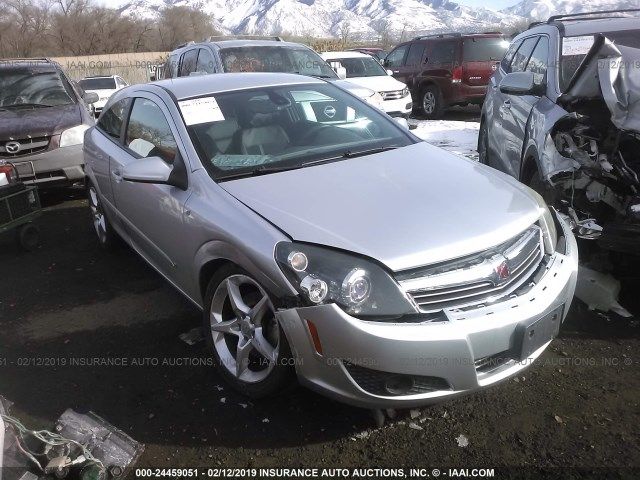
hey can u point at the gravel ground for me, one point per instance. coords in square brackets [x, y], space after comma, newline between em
[577, 407]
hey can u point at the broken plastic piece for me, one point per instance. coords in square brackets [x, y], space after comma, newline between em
[599, 291]
[105, 442]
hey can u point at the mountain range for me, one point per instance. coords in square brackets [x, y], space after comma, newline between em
[367, 18]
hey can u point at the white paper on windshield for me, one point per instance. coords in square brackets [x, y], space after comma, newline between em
[577, 45]
[200, 110]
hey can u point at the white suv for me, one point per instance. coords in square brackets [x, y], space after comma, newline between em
[104, 86]
[366, 71]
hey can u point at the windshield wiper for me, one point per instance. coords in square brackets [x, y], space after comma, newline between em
[362, 153]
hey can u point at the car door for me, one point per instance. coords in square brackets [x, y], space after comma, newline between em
[188, 62]
[493, 101]
[152, 213]
[413, 64]
[438, 65]
[395, 62]
[515, 109]
[105, 146]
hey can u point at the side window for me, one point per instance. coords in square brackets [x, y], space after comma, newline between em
[521, 57]
[206, 63]
[111, 120]
[508, 56]
[188, 63]
[416, 52]
[539, 61]
[442, 52]
[121, 82]
[396, 57]
[148, 133]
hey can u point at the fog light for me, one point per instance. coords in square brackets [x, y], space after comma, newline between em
[298, 261]
[315, 288]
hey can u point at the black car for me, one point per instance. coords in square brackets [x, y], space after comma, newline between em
[562, 114]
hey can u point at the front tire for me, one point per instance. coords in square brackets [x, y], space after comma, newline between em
[249, 347]
[104, 231]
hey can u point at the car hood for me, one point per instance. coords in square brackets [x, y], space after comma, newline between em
[383, 83]
[357, 90]
[20, 123]
[611, 73]
[406, 208]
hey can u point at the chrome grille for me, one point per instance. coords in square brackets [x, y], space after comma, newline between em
[393, 95]
[23, 146]
[481, 278]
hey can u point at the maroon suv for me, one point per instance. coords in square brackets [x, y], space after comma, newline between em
[448, 69]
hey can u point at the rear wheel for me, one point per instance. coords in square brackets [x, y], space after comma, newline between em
[28, 236]
[249, 347]
[432, 102]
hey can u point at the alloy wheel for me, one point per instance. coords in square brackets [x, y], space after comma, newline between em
[244, 329]
[429, 102]
[99, 220]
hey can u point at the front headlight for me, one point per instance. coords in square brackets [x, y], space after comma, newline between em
[359, 286]
[549, 231]
[376, 100]
[405, 92]
[73, 136]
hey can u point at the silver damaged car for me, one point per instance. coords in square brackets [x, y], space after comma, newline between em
[322, 240]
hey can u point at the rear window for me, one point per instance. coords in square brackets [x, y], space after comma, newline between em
[98, 83]
[482, 49]
[275, 59]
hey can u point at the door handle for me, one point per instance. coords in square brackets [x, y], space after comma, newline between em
[117, 175]
[506, 104]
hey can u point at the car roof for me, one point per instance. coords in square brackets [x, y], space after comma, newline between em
[583, 27]
[238, 43]
[349, 54]
[588, 26]
[39, 63]
[200, 85]
[100, 76]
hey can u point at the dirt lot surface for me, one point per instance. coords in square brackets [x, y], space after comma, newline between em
[577, 407]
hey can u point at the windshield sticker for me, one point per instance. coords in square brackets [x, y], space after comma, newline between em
[200, 110]
[577, 45]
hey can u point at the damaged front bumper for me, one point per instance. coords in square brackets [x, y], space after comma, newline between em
[378, 364]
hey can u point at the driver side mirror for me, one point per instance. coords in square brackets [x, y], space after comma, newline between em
[156, 170]
[520, 83]
[90, 97]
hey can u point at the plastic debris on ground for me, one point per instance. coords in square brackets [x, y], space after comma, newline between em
[462, 440]
[192, 337]
[599, 291]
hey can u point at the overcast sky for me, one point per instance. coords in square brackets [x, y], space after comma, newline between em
[493, 4]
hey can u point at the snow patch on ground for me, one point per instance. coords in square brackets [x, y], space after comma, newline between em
[457, 137]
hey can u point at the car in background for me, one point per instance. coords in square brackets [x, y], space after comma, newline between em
[43, 117]
[255, 54]
[376, 52]
[562, 115]
[321, 239]
[362, 69]
[104, 87]
[448, 69]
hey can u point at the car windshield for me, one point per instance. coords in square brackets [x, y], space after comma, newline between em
[482, 49]
[570, 62]
[33, 88]
[98, 83]
[253, 132]
[361, 67]
[275, 59]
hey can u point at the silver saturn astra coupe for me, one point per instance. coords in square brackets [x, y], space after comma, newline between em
[323, 240]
